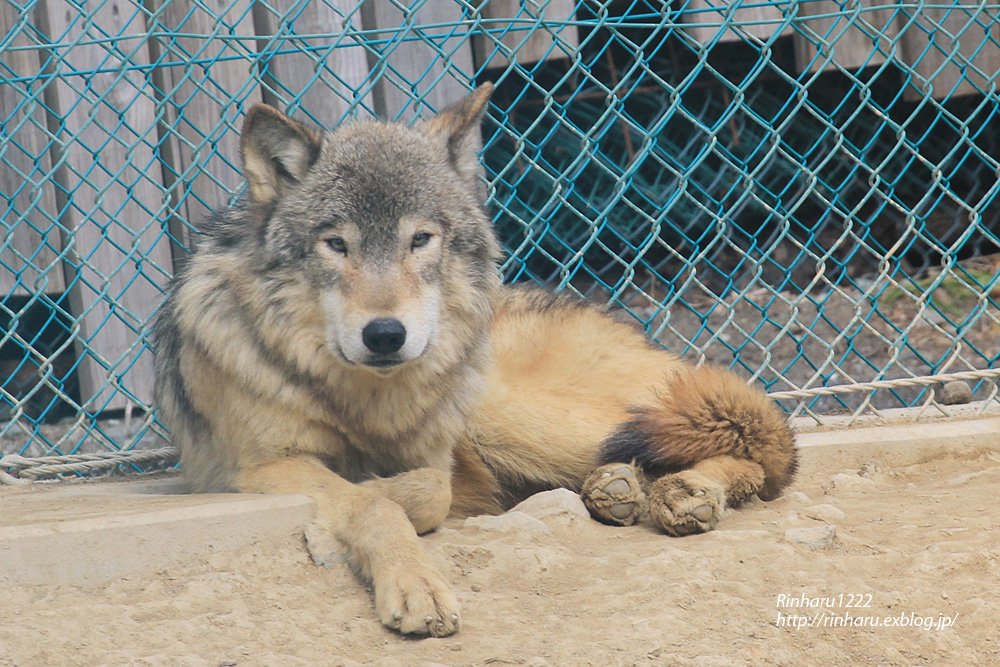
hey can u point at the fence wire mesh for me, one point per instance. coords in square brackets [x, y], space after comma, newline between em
[804, 191]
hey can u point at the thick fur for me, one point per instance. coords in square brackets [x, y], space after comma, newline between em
[270, 382]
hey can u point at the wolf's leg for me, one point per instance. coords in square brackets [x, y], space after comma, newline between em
[727, 440]
[614, 494]
[410, 595]
[424, 494]
[694, 500]
[690, 501]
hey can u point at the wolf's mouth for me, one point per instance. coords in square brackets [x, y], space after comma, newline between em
[383, 362]
[380, 364]
[373, 361]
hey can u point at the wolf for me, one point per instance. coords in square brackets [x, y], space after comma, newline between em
[343, 332]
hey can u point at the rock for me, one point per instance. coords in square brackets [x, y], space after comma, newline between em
[968, 477]
[790, 520]
[795, 497]
[555, 502]
[869, 468]
[818, 537]
[537, 662]
[740, 536]
[824, 512]
[955, 393]
[324, 549]
[711, 661]
[845, 482]
[511, 522]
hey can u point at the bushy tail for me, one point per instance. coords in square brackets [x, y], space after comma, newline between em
[705, 412]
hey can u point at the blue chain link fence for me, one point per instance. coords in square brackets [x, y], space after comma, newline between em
[805, 191]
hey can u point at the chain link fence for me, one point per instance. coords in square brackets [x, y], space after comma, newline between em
[804, 191]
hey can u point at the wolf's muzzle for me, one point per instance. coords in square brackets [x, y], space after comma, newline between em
[384, 335]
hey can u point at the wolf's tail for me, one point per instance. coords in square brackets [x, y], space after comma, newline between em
[706, 412]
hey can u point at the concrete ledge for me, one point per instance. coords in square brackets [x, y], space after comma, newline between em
[964, 433]
[923, 414]
[902, 444]
[86, 534]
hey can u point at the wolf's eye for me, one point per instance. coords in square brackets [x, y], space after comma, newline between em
[420, 240]
[337, 244]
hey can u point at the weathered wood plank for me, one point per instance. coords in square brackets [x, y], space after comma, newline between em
[28, 210]
[104, 121]
[322, 77]
[948, 49]
[752, 21]
[205, 92]
[852, 36]
[421, 68]
[532, 29]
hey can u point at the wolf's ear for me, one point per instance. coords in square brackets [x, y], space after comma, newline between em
[457, 128]
[277, 152]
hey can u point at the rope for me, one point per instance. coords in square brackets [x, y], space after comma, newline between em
[28, 469]
[886, 384]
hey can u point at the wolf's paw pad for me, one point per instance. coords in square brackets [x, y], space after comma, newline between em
[417, 601]
[614, 495]
[686, 502]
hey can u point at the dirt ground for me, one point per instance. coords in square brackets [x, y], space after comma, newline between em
[916, 544]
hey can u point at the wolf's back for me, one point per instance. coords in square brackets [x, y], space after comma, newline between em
[572, 388]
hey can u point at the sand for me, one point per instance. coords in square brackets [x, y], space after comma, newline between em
[912, 552]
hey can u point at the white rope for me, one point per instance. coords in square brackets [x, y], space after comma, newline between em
[32, 468]
[28, 469]
[887, 384]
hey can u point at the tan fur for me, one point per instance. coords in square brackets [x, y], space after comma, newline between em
[267, 389]
[565, 377]
[562, 378]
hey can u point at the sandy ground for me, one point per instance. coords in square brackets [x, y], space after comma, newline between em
[917, 544]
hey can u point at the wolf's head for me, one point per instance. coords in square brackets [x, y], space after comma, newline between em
[384, 222]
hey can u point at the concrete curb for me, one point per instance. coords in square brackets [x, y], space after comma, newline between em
[903, 444]
[124, 539]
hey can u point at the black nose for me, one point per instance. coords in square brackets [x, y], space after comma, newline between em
[384, 335]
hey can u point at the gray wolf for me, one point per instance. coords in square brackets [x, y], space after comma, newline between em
[343, 333]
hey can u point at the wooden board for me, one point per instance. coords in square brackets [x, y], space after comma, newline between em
[941, 43]
[860, 35]
[28, 260]
[532, 29]
[756, 21]
[106, 130]
[317, 79]
[205, 103]
[414, 78]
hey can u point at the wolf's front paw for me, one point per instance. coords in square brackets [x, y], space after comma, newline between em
[416, 600]
[686, 502]
[614, 495]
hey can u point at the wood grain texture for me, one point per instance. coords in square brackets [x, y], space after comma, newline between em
[105, 127]
[421, 69]
[31, 239]
[532, 30]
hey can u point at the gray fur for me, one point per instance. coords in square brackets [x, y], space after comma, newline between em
[270, 382]
[367, 176]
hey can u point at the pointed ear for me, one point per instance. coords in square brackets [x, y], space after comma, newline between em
[457, 128]
[277, 152]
